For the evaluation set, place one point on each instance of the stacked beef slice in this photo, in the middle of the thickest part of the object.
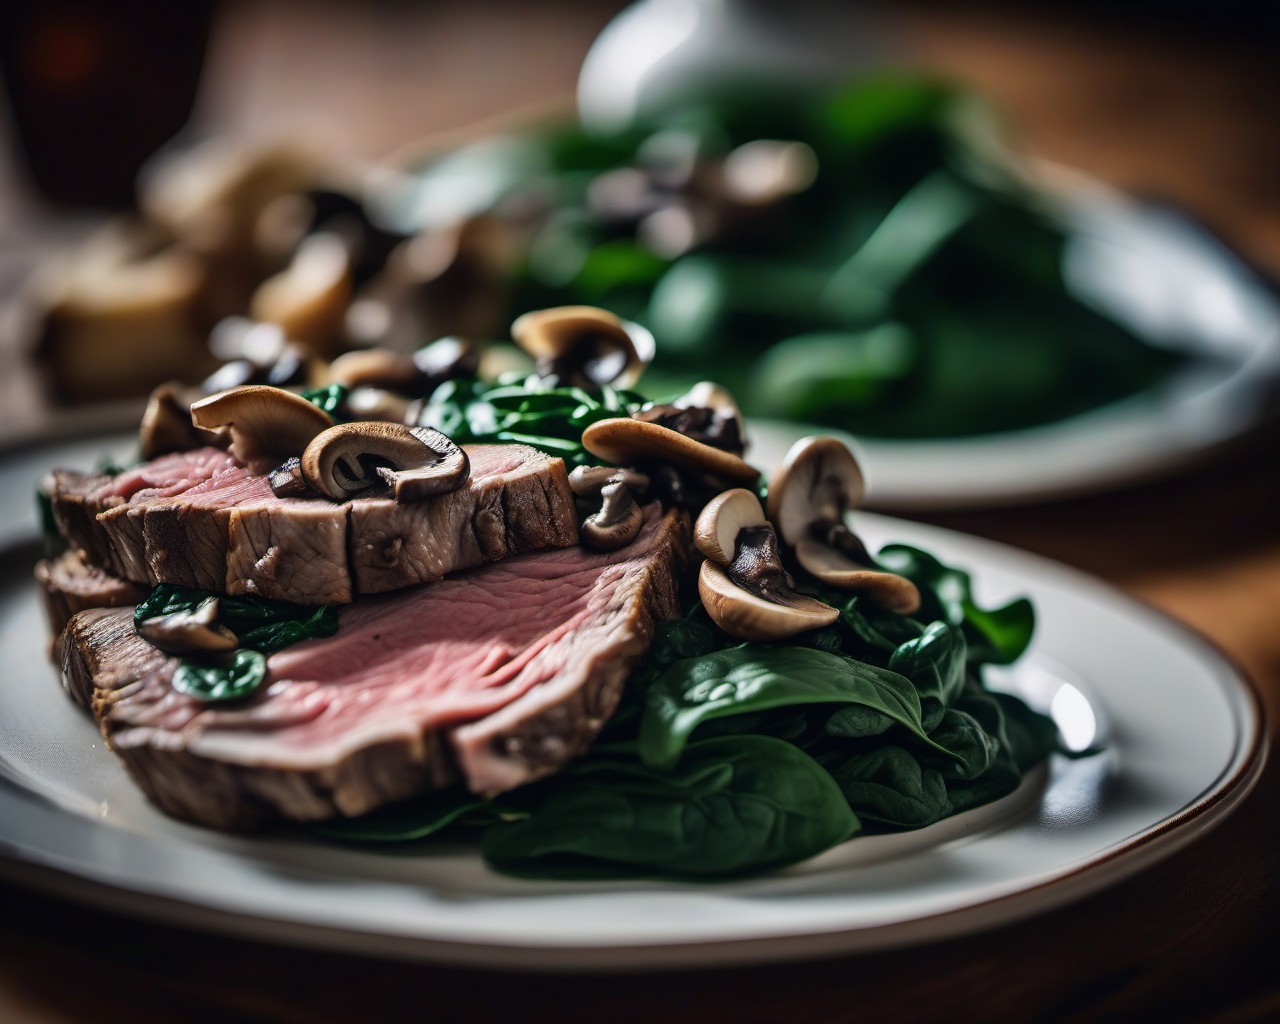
(493, 652)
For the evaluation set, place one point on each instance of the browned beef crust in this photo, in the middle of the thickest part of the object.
(229, 534)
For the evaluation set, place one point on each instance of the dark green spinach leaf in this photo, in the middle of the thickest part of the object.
(230, 678)
(888, 784)
(757, 677)
(733, 805)
(997, 636)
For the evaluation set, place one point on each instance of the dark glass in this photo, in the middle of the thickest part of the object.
(95, 88)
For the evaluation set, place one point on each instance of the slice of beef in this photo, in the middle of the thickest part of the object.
(200, 519)
(494, 677)
(69, 585)
(79, 498)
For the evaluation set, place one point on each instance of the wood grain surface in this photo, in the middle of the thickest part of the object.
(1184, 115)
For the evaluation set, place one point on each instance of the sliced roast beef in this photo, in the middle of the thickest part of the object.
(494, 676)
(69, 585)
(201, 519)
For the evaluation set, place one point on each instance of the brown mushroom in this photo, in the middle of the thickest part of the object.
(119, 315)
(309, 298)
(259, 353)
(193, 632)
(818, 482)
(633, 442)
(417, 462)
(166, 424)
(584, 345)
(378, 368)
(617, 523)
(379, 404)
(586, 481)
(743, 584)
(263, 420)
(706, 413)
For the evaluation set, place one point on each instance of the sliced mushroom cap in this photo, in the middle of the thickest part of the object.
(568, 340)
(897, 593)
(707, 413)
(708, 394)
(818, 479)
(194, 632)
(627, 442)
(748, 617)
(818, 482)
(743, 584)
(166, 424)
(263, 420)
(716, 532)
(259, 353)
(617, 523)
(587, 481)
(417, 462)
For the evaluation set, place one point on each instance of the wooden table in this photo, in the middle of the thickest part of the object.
(1182, 116)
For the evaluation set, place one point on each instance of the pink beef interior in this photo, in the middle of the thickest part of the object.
(168, 475)
(211, 478)
(403, 664)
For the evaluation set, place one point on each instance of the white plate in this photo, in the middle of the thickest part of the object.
(1163, 275)
(1183, 745)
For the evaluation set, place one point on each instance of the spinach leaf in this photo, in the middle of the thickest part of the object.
(550, 419)
(331, 398)
(230, 678)
(889, 785)
(409, 819)
(276, 634)
(733, 805)
(998, 635)
(858, 721)
(873, 631)
(756, 677)
(1031, 736)
(1001, 779)
(168, 599)
(934, 661)
(973, 749)
(259, 623)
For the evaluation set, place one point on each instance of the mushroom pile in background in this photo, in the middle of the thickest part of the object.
(252, 266)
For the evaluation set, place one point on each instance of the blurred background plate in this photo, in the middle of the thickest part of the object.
(1159, 272)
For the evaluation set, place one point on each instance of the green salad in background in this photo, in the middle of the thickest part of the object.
(862, 258)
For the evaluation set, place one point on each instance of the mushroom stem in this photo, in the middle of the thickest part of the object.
(615, 499)
(743, 584)
(287, 480)
(835, 534)
(757, 567)
(617, 523)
